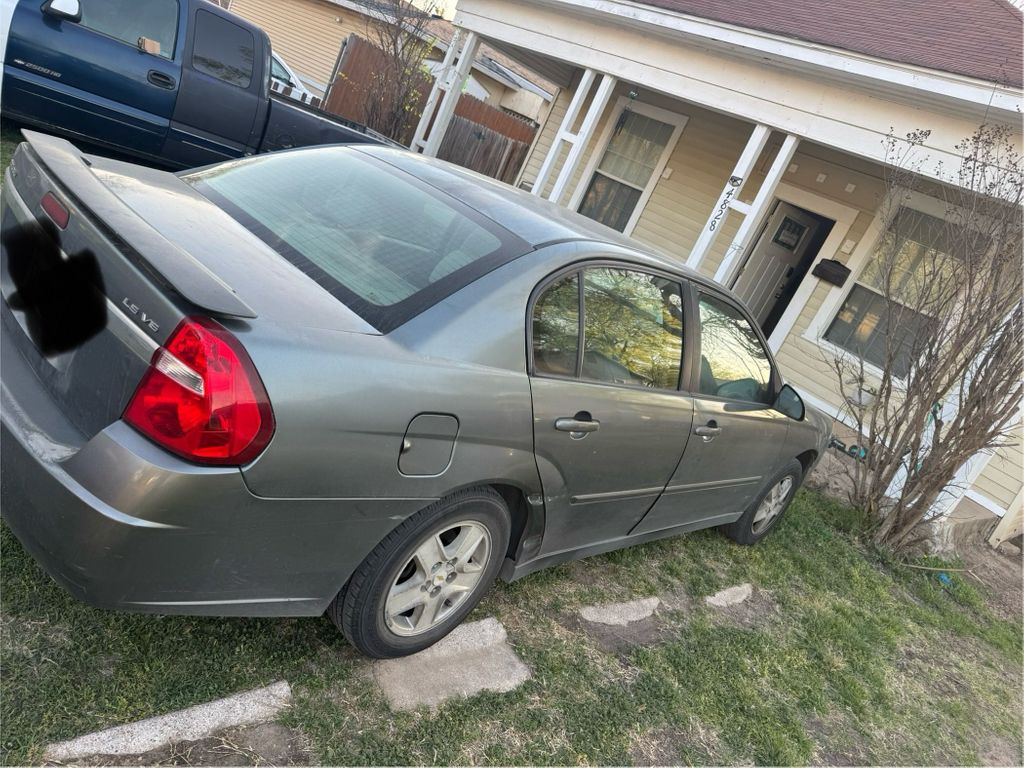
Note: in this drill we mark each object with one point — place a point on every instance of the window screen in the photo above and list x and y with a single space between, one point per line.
899 288
223 49
128 20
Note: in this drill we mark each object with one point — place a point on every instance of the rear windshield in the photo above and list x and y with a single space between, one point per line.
380 240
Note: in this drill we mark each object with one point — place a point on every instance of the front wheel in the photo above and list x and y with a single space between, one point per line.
421 581
766 510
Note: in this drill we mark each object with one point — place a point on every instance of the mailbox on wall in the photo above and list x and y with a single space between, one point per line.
831 271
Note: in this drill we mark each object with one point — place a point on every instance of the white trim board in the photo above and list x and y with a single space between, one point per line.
675 119
984 501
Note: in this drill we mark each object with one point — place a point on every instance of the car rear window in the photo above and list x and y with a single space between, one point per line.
380 240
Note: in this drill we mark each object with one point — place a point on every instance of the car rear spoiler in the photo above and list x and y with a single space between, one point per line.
151 251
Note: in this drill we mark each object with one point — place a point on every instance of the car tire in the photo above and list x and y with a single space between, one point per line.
768 507
419 565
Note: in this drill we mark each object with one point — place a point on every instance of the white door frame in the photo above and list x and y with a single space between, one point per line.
657 113
844 216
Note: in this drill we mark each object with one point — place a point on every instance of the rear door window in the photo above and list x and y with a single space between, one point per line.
132 20
632 328
223 49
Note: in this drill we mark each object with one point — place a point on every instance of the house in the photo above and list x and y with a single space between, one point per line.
309 35
746 139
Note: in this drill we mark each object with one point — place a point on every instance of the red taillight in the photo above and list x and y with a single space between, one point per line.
56 210
202 398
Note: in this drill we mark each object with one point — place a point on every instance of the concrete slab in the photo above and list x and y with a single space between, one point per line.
620 614
475 657
198 722
730 596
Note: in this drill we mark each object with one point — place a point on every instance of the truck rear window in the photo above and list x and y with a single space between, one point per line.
380 240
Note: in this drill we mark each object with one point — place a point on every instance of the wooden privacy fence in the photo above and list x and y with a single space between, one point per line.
480 137
480 148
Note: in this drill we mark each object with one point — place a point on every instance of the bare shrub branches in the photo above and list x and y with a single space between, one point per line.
402 32
932 368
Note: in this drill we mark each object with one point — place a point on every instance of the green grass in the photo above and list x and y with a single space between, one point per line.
861 660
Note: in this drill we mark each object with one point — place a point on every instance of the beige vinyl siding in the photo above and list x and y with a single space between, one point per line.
1001 478
700 166
307 33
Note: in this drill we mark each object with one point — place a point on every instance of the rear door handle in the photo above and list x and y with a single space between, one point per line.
160 80
709 431
577 426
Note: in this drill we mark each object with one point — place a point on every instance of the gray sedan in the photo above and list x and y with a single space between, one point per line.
360 381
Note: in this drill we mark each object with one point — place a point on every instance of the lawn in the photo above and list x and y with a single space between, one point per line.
855 660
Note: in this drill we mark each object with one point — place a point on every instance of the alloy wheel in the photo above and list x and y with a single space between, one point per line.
442 572
772 505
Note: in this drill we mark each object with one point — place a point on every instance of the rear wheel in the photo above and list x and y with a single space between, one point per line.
766 510
421 581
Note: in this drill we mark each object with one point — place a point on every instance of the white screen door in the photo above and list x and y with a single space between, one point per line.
621 178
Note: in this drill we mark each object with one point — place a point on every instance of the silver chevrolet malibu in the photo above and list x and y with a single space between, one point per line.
360 381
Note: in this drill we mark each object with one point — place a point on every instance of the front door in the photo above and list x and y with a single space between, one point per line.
779 260
610 423
93 77
736 436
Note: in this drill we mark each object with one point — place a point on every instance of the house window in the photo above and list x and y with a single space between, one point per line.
907 268
626 168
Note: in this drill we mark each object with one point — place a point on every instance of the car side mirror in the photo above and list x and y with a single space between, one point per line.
790 403
70 10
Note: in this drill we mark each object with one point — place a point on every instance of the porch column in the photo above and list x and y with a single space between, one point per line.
727 200
733 260
578 140
447 88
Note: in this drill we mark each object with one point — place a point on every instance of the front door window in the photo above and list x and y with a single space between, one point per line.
625 170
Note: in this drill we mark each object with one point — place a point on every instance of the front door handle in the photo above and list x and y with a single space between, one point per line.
709 431
159 79
578 426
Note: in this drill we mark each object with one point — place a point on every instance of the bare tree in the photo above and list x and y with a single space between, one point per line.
401 32
932 333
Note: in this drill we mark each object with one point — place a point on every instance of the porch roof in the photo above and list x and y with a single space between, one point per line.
982 39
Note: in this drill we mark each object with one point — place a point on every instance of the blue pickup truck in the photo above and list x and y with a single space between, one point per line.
177 83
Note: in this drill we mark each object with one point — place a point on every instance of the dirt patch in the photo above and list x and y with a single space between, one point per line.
619 639
1002 575
1000 751
666 745
756 611
833 744
832 475
265 744
27 637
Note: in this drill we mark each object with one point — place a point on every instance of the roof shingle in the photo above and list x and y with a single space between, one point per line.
983 39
